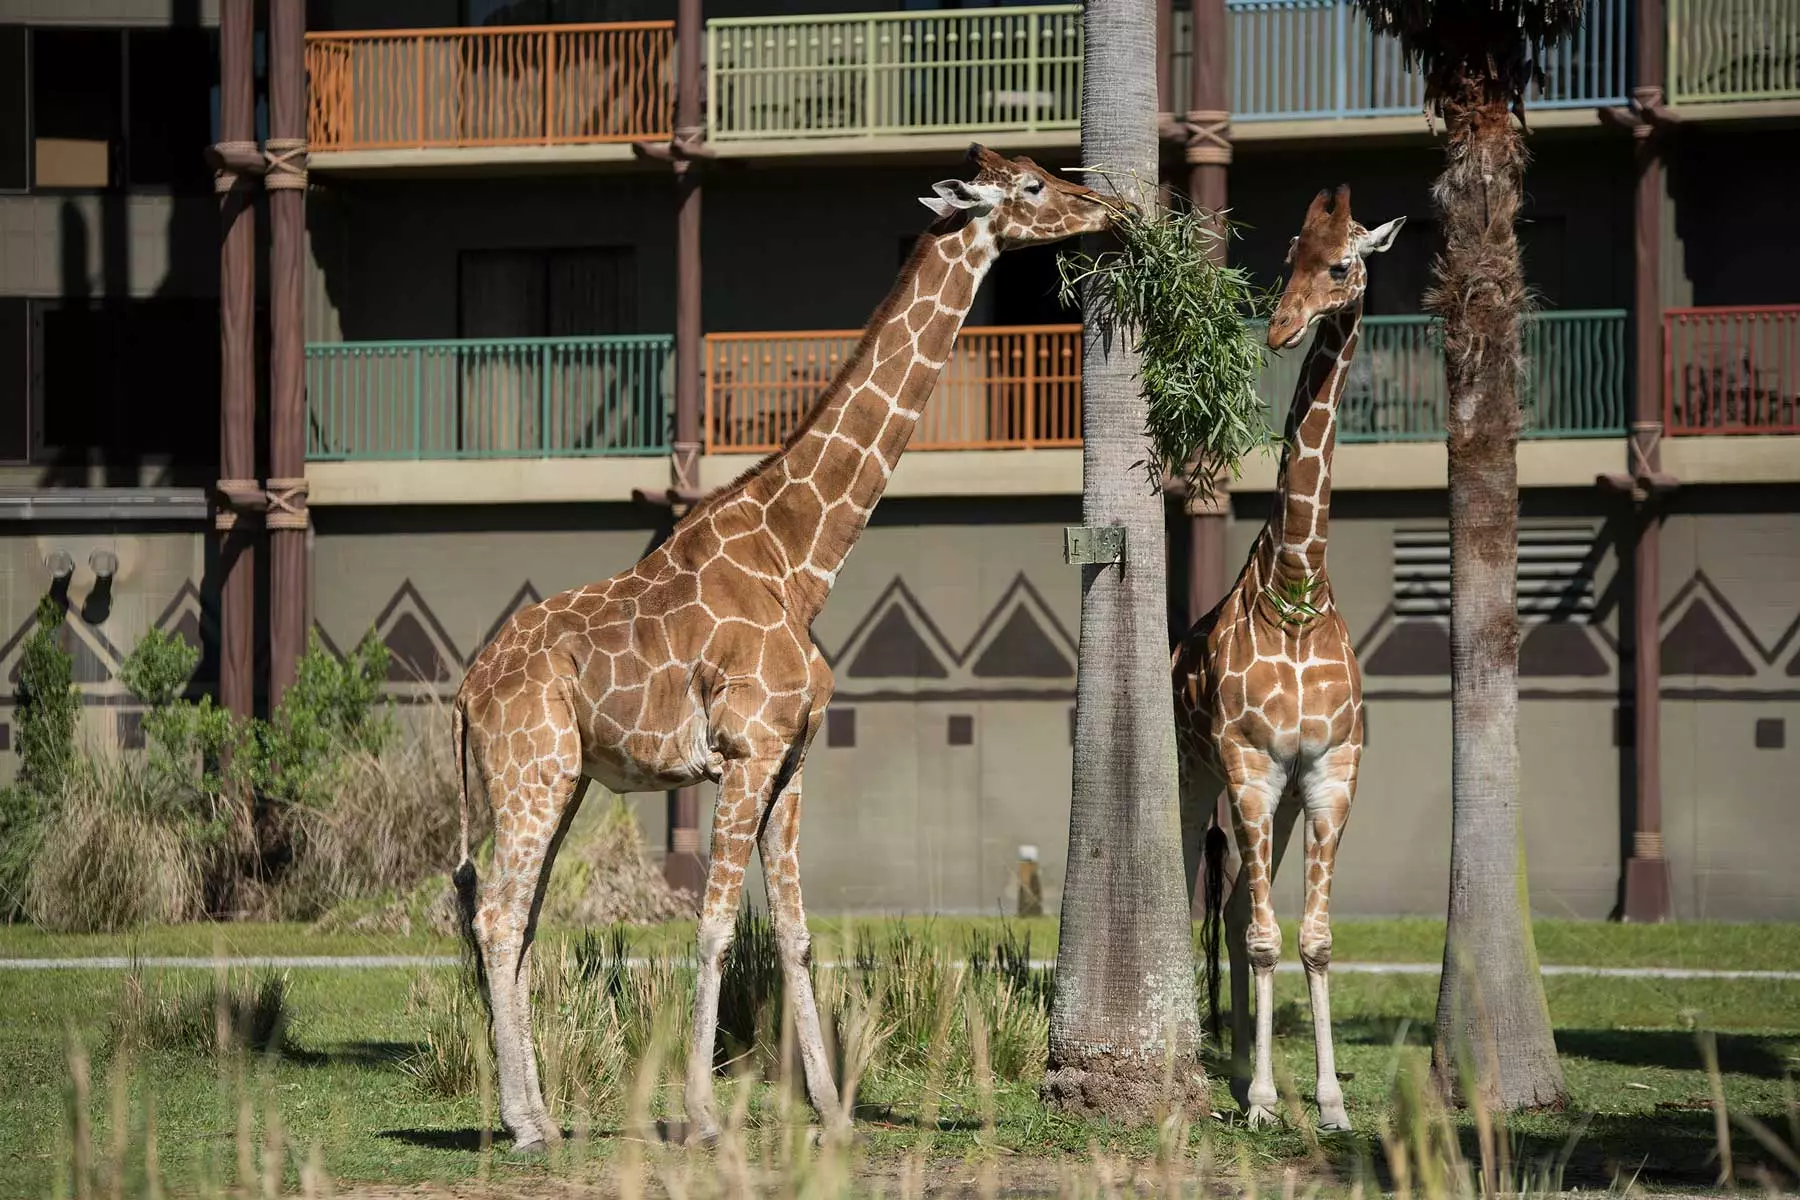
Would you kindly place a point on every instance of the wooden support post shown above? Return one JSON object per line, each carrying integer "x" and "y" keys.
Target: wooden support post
{"x": 285, "y": 178}
{"x": 238, "y": 495}
{"x": 1645, "y": 888}
{"x": 683, "y": 866}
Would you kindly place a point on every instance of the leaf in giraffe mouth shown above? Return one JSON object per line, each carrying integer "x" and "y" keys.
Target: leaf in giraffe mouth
{"x": 1200, "y": 351}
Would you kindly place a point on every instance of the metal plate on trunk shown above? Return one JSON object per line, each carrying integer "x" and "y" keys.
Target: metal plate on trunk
{"x": 1083, "y": 544}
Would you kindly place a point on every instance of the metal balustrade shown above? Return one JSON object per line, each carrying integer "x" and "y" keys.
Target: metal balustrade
{"x": 496, "y": 398}
{"x": 1733, "y": 50}
{"x": 520, "y": 85}
{"x": 1732, "y": 370}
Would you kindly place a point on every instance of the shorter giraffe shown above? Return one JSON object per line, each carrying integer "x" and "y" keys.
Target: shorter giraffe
{"x": 699, "y": 662}
{"x": 1268, "y": 696}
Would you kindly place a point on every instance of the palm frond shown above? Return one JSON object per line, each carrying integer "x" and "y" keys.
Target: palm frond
{"x": 1507, "y": 40}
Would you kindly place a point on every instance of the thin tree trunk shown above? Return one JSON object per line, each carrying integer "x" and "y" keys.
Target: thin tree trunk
{"x": 1493, "y": 1025}
{"x": 1123, "y": 1021}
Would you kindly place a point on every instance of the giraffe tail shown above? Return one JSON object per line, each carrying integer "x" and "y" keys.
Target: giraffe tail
{"x": 1212, "y": 926}
{"x": 464, "y": 879}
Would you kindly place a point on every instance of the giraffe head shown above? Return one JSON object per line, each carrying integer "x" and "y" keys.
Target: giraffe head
{"x": 1018, "y": 202}
{"x": 1327, "y": 266}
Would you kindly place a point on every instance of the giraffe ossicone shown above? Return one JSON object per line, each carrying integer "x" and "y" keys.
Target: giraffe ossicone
{"x": 1268, "y": 695}
{"x": 698, "y": 663}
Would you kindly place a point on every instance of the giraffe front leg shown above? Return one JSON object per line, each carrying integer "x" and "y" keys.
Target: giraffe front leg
{"x": 781, "y": 871}
{"x": 1329, "y": 788}
{"x": 1262, "y": 825}
{"x": 743, "y": 789}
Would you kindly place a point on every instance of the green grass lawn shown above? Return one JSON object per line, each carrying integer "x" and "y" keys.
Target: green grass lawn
{"x": 1629, "y": 1052}
{"x": 1591, "y": 943}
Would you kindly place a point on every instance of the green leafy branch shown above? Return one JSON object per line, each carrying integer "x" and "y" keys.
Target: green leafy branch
{"x": 1199, "y": 356}
{"x": 1293, "y": 599}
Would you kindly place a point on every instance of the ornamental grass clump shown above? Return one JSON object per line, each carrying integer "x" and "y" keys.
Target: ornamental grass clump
{"x": 1190, "y": 318}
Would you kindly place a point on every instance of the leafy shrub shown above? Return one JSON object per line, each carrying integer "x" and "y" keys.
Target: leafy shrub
{"x": 329, "y": 712}
{"x": 48, "y": 703}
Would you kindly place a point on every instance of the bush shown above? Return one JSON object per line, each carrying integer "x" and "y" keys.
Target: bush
{"x": 48, "y": 703}
{"x": 329, "y": 713}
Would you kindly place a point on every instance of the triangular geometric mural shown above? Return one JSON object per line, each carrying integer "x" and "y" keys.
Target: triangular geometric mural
{"x": 419, "y": 651}
{"x": 1417, "y": 647}
{"x": 1559, "y": 650}
{"x": 94, "y": 661}
{"x": 1021, "y": 639}
{"x": 1702, "y": 641}
{"x": 895, "y": 649}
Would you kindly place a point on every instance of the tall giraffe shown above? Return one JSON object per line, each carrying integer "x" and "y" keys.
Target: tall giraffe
{"x": 699, "y": 662}
{"x": 1268, "y": 696}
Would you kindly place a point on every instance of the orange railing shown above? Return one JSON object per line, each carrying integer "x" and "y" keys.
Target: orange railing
{"x": 1732, "y": 370}
{"x": 1007, "y": 387}
{"x": 520, "y": 85}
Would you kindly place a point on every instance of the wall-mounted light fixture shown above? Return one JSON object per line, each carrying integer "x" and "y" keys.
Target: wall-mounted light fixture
{"x": 104, "y": 563}
{"x": 61, "y": 565}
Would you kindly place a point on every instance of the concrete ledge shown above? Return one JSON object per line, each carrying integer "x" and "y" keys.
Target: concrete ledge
{"x": 1716, "y": 458}
{"x": 473, "y": 160}
{"x": 1420, "y": 466}
{"x": 104, "y": 504}
{"x": 947, "y": 472}
{"x": 490, "y": 481}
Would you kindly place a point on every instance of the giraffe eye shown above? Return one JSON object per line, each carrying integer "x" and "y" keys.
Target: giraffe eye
{"x": 1033, "y": 187}
{"x": 1339, "y": 271}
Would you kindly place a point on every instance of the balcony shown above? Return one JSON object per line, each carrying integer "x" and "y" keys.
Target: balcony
{"x": 1014, "y": 387}
{"x": 513, "y": 86}
{"x": 1577, "y": 379}
{"x": 1732, "y": 370}
{"x": 496, "y": 399}
{"x": 1733, "y": 50}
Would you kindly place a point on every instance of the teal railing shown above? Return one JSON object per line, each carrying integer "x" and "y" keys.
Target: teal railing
{"x": 1577, "y": 374}
{"x": 488, "y": 398}
{"x": 1733, "y": 50}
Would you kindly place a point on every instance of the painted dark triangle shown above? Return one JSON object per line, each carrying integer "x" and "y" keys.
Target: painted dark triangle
{"x": 1022, "y": 650}
{"x": 413, "y": 656}
{"x": 1560, "y": 650}
{"x": 1411, "y": 648}
{"x": 894, "y": 649}
{"x": 88, "y": 667}
{"x": 1793, "y": 667}
{"x": 1698, "y": 644}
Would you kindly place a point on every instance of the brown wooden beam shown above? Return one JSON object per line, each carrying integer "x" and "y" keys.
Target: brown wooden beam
{"x": 286, "y": 182}
{"x": 1645, "y": 887}
{"x": 237, "y": 353}
{"x": 683, "y": 866}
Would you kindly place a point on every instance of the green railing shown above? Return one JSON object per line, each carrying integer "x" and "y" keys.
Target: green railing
{"x": 1733, "y": 50}
{"x": 870, "y": 74}
{"x": 1577, "y": 374}
{"x": 489, "y": 398}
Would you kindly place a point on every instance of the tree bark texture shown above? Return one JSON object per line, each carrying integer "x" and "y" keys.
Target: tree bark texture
{"x": 1123, "y": 1028}
{"x": 1493, "y": 1026}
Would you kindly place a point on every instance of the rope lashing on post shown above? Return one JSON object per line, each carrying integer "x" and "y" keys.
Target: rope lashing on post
{"x": 1647, "y": 845}
{"x": 286, "y": 160}
{"x": 1209, "y": 137}
{"x": 236, "y": 497}
{"x": 231, "y": 162}
{"x": 287, "y": 504}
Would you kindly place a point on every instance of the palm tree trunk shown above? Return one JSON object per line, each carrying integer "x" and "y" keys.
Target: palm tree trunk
{"x": 1493, "y": 1026}
{"x": 1123, "y": 1026}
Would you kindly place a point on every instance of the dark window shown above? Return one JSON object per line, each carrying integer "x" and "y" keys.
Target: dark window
{"x": 131, "y": 730}
{"x": 172, "y": 72}
{"x": 15, "y": 107}
{"x": 548, "y": 293}
{"x": 840, "y": 728}
{"x": 961, "y": 730}
{"x": 77, "y": 107}
{"x": 5, "y": 737}
{"x": 15, "y": 379}
{"x": 126, "y": 381}
{"x": 1771, "y": 733}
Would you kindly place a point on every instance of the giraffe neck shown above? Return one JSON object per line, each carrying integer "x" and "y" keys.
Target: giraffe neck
{"x": 821, "y": 489}
{"x": 1293, "y": 544}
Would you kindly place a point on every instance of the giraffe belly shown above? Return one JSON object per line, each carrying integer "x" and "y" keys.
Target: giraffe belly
{"x": 622, "y": 774}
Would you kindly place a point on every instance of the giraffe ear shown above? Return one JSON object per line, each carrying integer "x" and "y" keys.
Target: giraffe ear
{"x": 1379, "y": 239}
{"x": 957, "y": 194}
{"x": 1293, "y": 244}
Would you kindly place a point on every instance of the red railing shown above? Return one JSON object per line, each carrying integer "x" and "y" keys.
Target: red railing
{"x": 1732, "y": 370}
{"x": 1009, "y": 387}
{"x": 518, "y": 85}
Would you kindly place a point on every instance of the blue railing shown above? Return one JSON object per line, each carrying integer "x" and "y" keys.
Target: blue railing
{"x": 1302, "y": 59}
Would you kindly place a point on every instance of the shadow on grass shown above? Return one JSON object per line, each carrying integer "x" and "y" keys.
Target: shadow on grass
{"x": 1739, "y": 1054}
{"x": 887, "y": 1114}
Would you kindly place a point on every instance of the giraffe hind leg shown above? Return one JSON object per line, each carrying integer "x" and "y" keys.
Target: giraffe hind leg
{"x": 530, "y": 818}
{"x": 1329, "y": 789}
{"x": 1263, "y": 821}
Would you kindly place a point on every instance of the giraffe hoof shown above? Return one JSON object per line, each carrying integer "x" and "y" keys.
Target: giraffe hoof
{"x": 1260, "y": 1116}
{"x": 703, "y": 1136}
{"x": 1334, "y": 1124}
{"x": 535, "y": 1148}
